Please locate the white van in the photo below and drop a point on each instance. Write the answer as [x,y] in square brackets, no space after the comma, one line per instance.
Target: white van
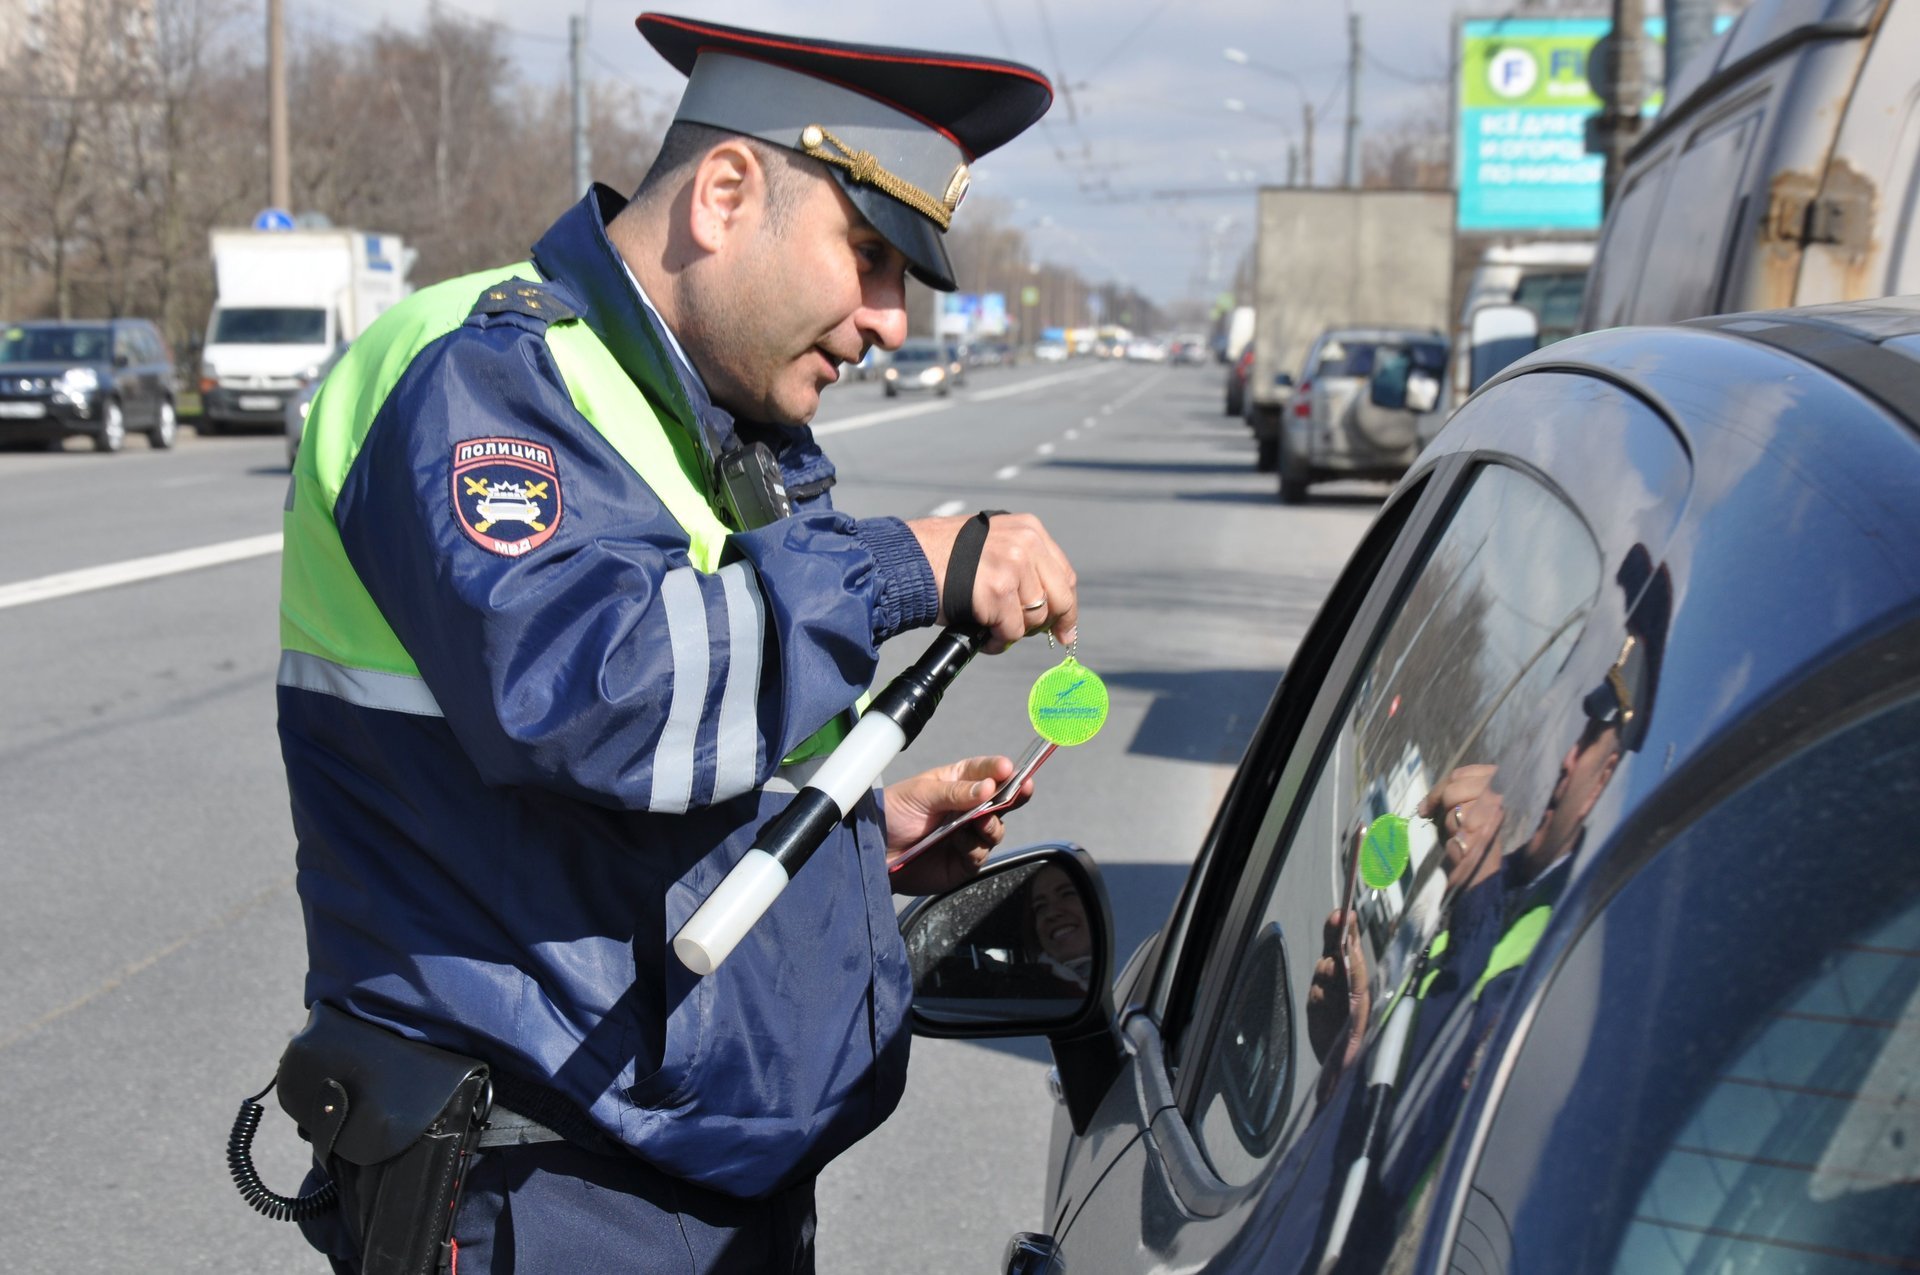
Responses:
[1785,171]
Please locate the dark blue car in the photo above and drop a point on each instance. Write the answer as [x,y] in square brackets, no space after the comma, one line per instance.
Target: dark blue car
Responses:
[1564,914]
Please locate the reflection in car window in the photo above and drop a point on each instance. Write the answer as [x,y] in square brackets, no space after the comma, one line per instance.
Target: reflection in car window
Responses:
[1801,1143]
[1723,1074]
[1455,686]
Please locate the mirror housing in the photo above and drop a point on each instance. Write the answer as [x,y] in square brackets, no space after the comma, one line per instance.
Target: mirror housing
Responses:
[1496,336]
[1023,949]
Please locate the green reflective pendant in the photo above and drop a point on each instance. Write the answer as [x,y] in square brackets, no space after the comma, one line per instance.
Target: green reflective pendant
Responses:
[1384,852]
[1068,703]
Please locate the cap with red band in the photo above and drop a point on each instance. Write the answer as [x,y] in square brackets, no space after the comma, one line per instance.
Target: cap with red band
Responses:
[898,128]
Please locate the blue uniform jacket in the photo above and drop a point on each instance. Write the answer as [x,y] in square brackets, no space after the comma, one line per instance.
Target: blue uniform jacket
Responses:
[503,879]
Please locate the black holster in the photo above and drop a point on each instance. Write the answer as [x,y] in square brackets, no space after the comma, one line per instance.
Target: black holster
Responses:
[392,1122]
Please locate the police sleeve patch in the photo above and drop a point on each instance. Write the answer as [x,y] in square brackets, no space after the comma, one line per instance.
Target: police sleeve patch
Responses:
[506,494]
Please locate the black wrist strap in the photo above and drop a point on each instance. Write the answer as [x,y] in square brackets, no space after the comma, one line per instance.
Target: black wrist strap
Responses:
[956,595]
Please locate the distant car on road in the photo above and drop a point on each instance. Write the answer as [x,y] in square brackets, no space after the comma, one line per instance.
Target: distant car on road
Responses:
[102,378]
[1336,426]
[1555,920]
[918,366]
[302,402]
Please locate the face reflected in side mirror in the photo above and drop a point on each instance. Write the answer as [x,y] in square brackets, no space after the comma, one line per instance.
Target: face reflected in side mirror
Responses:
[1025,948]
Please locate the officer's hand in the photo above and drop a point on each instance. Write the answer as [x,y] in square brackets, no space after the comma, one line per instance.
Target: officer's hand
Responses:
[1339,998]
[918,805]
[1020,565]
[1468,813]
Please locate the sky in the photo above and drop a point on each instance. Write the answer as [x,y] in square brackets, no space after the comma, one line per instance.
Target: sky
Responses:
[1141,173]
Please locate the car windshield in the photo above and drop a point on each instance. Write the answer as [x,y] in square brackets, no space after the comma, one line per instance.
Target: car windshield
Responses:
[1555,299]
[55,345]
[262,326]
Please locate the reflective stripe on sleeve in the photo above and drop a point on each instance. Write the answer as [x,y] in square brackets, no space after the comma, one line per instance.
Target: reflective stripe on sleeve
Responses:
[686,612]
[737,748]
[393,692]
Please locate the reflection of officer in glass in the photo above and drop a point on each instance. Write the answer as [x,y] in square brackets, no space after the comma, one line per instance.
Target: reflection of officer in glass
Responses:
[1502,902]
[1058,936]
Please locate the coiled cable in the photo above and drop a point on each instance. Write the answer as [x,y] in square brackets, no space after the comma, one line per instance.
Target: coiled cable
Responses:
[246,1178]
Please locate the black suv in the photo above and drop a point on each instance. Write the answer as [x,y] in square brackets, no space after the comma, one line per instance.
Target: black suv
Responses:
[98,377]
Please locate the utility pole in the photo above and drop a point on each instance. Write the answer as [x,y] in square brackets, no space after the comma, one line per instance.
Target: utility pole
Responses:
[582,157]
[1621,86]
[1352,179]
[279,182]
[1689,29]
[1306,113]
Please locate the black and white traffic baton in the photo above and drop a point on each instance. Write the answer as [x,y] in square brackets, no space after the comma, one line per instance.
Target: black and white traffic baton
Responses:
[892,721]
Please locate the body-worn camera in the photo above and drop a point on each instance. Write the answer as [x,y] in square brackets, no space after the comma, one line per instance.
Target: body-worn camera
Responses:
[751,487]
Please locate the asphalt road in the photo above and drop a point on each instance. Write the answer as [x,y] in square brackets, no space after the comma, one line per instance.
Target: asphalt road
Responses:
[148,922]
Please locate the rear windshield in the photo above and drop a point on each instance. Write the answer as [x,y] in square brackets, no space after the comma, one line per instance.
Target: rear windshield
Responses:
[54,345]
[1359,358]
[269,327]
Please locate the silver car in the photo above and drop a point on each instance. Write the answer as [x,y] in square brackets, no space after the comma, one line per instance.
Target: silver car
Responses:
[302,402]
[1357,408]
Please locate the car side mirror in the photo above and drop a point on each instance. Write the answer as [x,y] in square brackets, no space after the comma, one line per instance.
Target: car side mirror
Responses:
[1498,335]
[1023,949]
[1423,391]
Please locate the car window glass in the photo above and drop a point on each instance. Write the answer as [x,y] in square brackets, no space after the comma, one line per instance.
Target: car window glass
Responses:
[1723,1074]
[1623,253]
[1555,300]
[270,326]
[1457,681]
[1684,260]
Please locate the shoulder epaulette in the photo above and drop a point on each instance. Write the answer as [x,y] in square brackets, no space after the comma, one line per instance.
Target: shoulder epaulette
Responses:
[536,301]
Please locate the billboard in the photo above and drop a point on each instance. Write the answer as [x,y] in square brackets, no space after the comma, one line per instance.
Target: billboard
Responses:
[1522,104]
[972,315]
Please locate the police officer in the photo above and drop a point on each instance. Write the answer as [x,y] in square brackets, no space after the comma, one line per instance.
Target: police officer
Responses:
[567,613]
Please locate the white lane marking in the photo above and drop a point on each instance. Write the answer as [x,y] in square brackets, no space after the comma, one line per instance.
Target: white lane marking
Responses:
[888,414]
[948,509]
[1046,449]
[881,417]
[87,579]
[1011,471]
[1135,392]
[1039,382]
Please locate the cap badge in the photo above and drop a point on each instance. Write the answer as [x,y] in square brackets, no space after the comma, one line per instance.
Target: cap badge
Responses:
[957,188]
[864,168]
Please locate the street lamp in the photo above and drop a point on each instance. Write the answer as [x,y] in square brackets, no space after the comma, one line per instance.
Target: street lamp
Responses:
[1239,57]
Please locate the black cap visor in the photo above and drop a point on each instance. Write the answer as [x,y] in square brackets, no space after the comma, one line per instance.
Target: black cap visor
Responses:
[916,237]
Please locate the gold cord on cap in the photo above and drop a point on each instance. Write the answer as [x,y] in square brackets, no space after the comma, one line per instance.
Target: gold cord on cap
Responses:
[864,168]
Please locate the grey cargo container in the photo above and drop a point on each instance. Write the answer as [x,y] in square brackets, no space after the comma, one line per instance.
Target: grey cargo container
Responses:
[1340,258]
